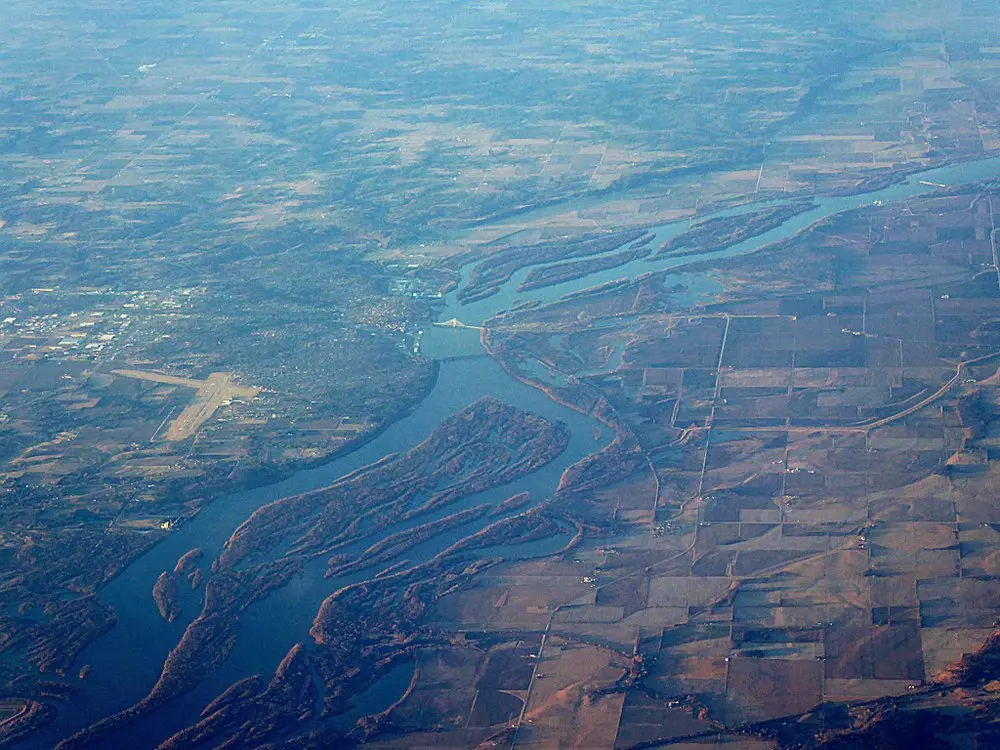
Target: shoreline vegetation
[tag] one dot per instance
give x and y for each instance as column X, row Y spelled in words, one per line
column 74, row 624
column 485, row 445
column 714, row 235
column 497, row 268
column 551, row 275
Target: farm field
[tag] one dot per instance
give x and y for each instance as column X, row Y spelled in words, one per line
column 490, row 374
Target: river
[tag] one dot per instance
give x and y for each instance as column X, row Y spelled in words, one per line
column 126, row 662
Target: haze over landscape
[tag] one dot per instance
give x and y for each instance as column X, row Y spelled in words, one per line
column 497, row 374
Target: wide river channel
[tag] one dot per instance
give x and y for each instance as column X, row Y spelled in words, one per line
column 126, row 662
